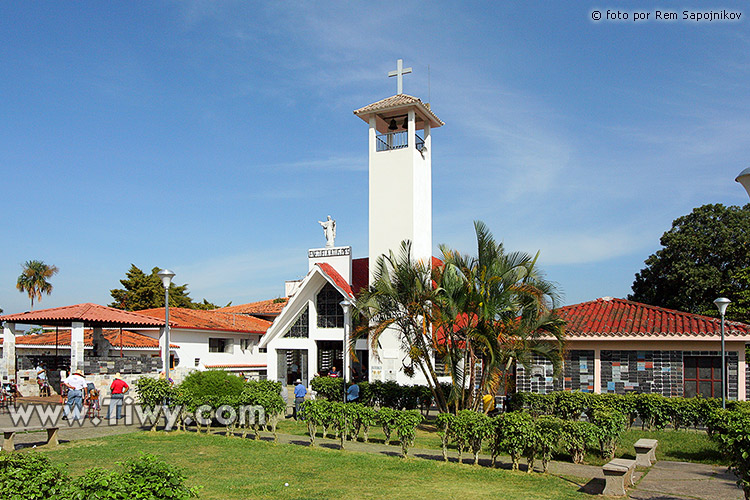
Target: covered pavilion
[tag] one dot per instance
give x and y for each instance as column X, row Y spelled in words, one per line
column 77, row 318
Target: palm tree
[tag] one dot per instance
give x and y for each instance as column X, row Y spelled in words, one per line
column 498, row 310
column 401, row 299
column 33, row 279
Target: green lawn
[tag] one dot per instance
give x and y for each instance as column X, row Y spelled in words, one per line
column 234, row 468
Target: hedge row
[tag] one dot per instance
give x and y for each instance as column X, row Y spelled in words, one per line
column 347, row 420
column 654, row 410
column 520, row 434
column 211, row 394
column 31, row 476
column 380, row 394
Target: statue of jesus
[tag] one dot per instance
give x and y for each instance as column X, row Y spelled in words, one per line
column 329, row 229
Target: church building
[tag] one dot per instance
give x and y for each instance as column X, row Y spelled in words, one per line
column 309, row 335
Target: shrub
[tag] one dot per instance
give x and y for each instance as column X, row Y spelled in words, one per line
column 405, row 424
column 731, row 429
column 29, row 476
column 653, row 409
column 153, row 393
column 514, row 432
column 387, row 419
column 576, row 437
column 264, row 393
column 445, row 423
column 331, row 388
column 150, row 477
column 474, row 427
column 609, row 426
column 314, row 414
column 683, row 412
column 570, row 405
column 212, row 386
column 548, row 434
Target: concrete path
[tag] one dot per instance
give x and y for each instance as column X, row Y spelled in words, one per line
column 664, row 481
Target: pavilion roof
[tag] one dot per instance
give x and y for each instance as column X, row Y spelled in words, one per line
column 91, row 315
column 200, row 319
column 398, row 104
column 129, row 339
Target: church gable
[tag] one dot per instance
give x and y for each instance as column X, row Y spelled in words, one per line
column 301, row 327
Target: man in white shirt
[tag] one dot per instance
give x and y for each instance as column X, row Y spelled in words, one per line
column 76, row 385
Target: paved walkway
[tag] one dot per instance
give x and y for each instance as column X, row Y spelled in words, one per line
column 664, row 481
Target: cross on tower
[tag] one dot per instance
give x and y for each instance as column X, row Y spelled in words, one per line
column 400, row 72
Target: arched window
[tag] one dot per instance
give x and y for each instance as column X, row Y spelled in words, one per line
column 330, row 313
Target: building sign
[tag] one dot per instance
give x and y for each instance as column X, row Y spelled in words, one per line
column 329, row 252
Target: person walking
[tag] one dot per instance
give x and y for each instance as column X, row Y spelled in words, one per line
column 76, row 385
column 118, row 388
column 42, row 380
column 299, row 398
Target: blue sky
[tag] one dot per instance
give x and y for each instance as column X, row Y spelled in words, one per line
column 210, row 137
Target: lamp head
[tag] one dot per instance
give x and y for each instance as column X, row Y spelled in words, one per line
column 721, row 304
column 744, row 179
column 345, row 304
column 166, row 277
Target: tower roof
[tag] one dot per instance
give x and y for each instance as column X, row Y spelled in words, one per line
column 395, row 106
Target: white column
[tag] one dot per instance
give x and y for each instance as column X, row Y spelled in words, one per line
column 412, row 130
column 162, row 338
column 8, row 368
column 597, row 371
column 76, row 347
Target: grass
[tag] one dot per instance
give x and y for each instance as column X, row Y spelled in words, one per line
column 233, row 468
column 681, row 446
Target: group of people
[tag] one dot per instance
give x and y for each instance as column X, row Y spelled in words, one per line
column 78, row 390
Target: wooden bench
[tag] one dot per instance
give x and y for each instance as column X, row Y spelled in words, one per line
column 645, row 452
column 9, row 435
column 618, row 473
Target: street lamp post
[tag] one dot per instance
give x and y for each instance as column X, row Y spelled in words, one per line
column 744, row 179
column 346, row 306
column 721, row 304
column 166, row 278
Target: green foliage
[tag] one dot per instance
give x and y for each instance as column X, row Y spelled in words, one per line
column 623, row 403
column 29, row 476
column 387, row 419
column 549, row 431
column 445, row 423
column 570, row 405
column 315, row 414
column 576, row 437
column 331, row 388
column 683, row 412
column 473, row 428
column 405, row 424
column 213, row 388
column 33, row 279
column 654, row 410
column 609, row 427
column 515, row 434
column 700, row 259
column 731, row 429
column 536, row 404
column 146, row 291
column 153, row 393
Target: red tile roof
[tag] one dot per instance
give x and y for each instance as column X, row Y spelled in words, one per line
column 336, row 278
column 271, row 307
column 398, row 102
column 198, row 319
column 92, row 315
column 130, row 340
column 619, row 318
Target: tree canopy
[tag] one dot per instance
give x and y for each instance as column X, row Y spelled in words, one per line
column 704, row 255
column 33, row 279
column 146, row 291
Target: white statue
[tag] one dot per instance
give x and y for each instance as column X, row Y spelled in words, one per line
column 329, row 229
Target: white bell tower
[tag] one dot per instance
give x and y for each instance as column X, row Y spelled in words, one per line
column 400, row 150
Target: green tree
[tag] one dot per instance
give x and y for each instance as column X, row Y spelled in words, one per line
column 33, row 279
column 700, row 259
column 495, row 309
column 146, row 291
